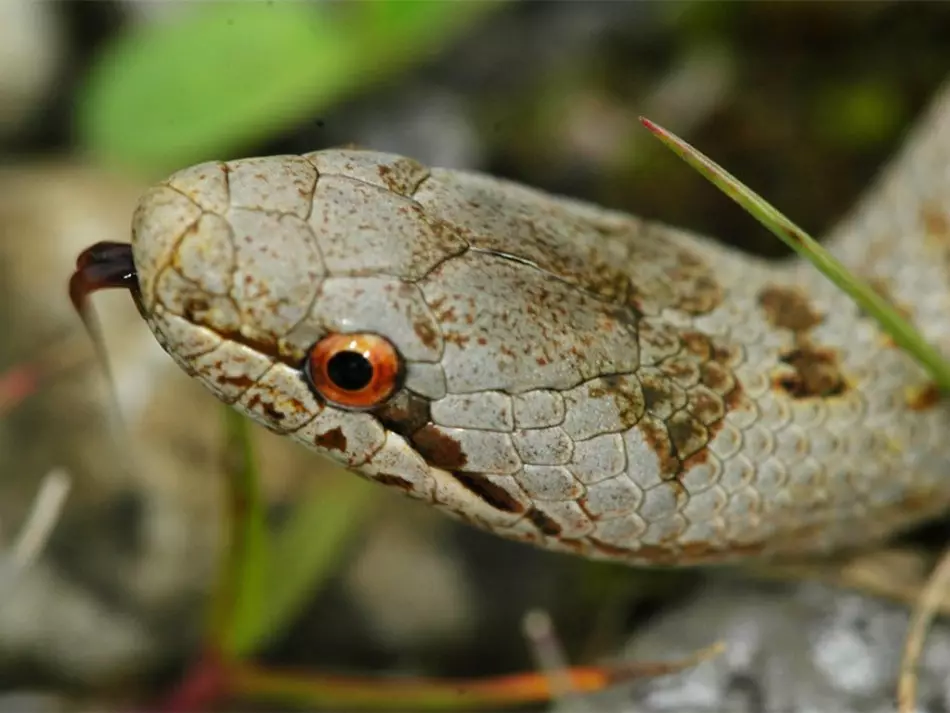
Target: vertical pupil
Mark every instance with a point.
(349, 370)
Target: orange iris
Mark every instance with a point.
(354, 371)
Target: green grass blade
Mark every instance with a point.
(266, 577)
(305, 551)
(240, 597)
(903, 333)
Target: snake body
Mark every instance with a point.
(571, 377)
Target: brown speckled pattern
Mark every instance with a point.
(575, 378)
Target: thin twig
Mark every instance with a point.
(923, 615)
(43, 517)
(548, 653)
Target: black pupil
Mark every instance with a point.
(350, 371)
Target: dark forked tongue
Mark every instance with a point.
(102, 266)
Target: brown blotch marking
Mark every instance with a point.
(706, 406)
(935, 221)
(192, 306)
(457, 338)
(403, 176)
(627, 396)
(256, 402)
(272, 413)
(924, 399)
(684, 371)
(494, 495)
(392, 480)
(715, 374)
(332, 440)
(788, 308)
(544, 523)
(386, 176)
(268, 349)
(653, 396)
(816, 373)
(444, 316)
(732, 399)
(698, 458)
(658, 393)
(697, 344)
(719, 379)
(687, 435)
(598, 277)
(427, 335)
(698, 292)
(582, 504)
(703, 296)
(657, 437)
(725, 354)
(610, 284)
(405, 413)
(241, 381)
(439, 449)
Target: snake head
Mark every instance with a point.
(444, 333)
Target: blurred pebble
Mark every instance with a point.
(432, 125)
(31, 51)
(33, 702)
(136, 543)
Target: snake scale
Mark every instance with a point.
(555, 372)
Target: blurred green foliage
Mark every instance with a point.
(221, 75)
(269, 573)
(859, 113)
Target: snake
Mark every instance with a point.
(556, 372)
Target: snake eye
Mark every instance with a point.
(354, 371)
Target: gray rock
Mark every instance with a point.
(805, 648)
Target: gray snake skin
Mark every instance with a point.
(558, 373)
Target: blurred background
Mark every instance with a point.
(803, 101)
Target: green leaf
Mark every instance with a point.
(266, 577)
(221, 75)
(901, 331)
(241, 595)
(305, 551)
